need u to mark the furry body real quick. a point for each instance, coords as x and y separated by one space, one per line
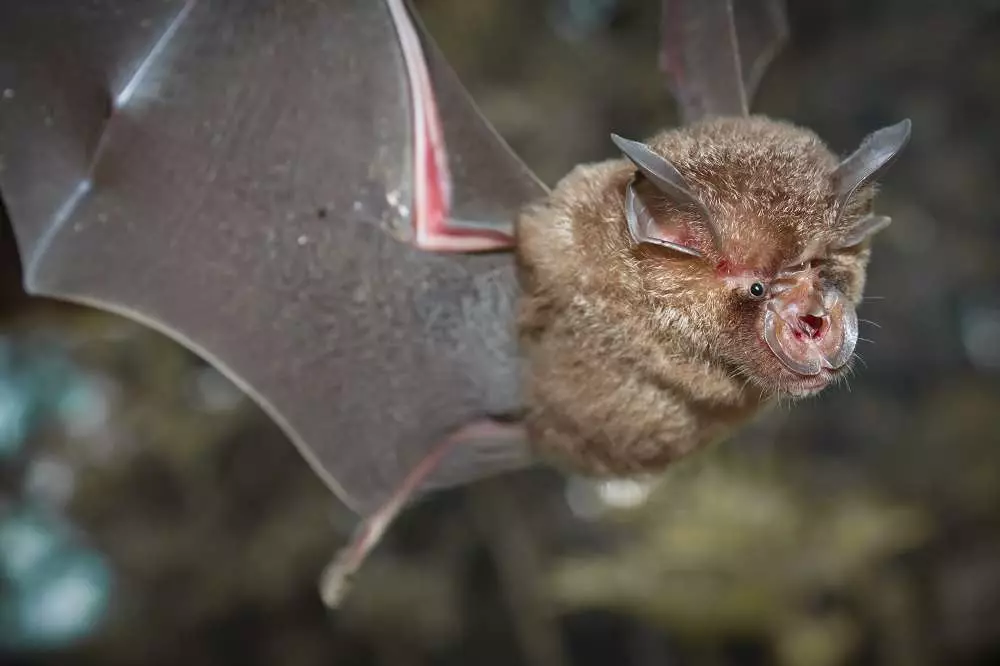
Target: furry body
665 349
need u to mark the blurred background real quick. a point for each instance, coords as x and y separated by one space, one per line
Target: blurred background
150 514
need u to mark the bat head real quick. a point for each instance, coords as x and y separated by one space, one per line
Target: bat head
753 229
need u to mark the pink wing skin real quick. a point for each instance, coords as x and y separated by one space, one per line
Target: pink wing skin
507 437
432 184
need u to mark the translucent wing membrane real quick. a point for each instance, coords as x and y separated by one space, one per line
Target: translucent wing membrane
715 52
467 180
238 176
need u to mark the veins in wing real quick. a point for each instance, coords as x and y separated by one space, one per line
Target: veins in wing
119 101
432 228
130 88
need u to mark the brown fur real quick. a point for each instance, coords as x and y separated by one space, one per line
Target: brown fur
639 355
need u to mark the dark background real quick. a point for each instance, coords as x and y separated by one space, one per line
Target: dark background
150 515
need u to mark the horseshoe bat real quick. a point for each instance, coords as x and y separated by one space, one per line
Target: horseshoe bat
305 195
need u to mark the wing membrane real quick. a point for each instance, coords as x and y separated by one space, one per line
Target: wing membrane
715 52
239 198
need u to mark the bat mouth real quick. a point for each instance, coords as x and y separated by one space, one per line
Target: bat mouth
812 337
803 386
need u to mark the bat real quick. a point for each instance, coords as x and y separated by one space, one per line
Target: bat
305 195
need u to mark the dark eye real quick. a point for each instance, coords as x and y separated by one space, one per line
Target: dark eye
757 289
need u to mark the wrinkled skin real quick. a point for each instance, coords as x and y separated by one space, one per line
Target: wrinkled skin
637 353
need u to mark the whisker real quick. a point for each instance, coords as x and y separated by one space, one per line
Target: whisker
873 298
860 339
863 362
870 322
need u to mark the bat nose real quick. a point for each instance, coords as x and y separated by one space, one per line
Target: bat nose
815 307
808 315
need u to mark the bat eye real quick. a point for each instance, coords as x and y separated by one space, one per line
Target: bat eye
757 289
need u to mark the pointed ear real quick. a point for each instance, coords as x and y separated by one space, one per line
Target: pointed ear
645 228
876 152
668 180
865 228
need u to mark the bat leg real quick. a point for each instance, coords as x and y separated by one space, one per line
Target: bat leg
479 448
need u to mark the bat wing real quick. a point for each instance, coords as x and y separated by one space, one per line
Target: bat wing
261 180
715 52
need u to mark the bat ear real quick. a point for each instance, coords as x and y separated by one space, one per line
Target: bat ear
645 228
863 230
876 152
668 180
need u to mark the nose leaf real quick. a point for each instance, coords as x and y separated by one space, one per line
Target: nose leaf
791 349
809 331
816 307
838 344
